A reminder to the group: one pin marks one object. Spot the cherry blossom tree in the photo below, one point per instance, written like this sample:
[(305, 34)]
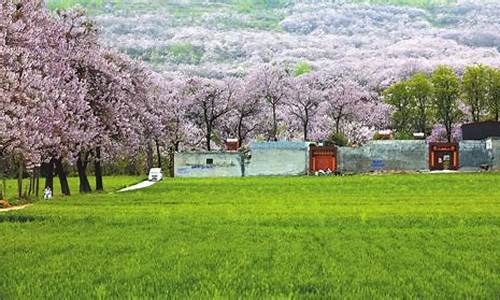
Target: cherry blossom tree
[(270, 83), (210, 101), (246, 118), (41, 93), (64, 97), (351, 110), (343, 100), (439, 134), (304, 97)]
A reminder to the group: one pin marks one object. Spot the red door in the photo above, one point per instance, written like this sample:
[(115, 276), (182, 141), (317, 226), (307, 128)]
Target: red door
[(323, 158), (443, 156)]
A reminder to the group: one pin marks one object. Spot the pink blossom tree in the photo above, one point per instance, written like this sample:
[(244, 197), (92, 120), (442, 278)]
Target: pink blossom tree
[(270, 83), (210, 101), (246, 118), (41, 92), (439, 134), (304, 97), (351, 110), (343, 100)]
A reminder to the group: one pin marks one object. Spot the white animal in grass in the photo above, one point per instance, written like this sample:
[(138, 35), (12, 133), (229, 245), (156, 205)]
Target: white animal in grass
[(47, 193)]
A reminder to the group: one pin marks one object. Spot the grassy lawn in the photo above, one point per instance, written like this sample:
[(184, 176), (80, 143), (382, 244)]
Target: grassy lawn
[(412, 236)]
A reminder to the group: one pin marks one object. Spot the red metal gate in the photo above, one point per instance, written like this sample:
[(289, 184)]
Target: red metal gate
[(322, 158)]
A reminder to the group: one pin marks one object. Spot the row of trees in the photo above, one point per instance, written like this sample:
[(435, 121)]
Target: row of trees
[(445, 98), (271, 103), (66, 98)]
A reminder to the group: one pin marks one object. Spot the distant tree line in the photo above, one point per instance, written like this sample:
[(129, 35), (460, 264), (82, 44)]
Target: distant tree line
[(444, 98)]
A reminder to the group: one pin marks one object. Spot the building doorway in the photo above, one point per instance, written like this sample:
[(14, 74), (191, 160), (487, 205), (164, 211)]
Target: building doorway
[(322, 158), (443, 156)]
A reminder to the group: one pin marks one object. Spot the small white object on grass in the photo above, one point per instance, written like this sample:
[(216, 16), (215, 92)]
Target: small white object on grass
[(155, 174), (47, 193)]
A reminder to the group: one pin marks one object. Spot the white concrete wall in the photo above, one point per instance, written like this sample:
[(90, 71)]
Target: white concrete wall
[(194, 164), (278, 159)]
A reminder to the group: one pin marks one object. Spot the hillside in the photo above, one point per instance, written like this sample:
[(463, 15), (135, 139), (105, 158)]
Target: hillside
[(376, 41)]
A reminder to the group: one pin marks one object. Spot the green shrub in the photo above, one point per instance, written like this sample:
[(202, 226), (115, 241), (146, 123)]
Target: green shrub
[(403, 135), (338, 139), (302, 68), (185, 53)]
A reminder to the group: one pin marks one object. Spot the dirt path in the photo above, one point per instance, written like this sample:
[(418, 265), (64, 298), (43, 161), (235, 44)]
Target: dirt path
[(14, 208)]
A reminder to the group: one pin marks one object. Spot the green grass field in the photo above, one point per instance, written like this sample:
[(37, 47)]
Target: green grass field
[(408, 236), (111, 183)]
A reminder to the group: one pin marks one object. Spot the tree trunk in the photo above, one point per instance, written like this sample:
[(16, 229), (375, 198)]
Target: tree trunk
[(422, 120), (149, 156), (37, 181), (49, 174), (240, 131), (131, 167), (3, 190), (171, 161), (305, 131), (275, 125), (208, 138), (475, 115), (158, 153), (448, 133), (20, 180), (63, 179), (32, 184), (98, 170), (337, 125), (81, 165)]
